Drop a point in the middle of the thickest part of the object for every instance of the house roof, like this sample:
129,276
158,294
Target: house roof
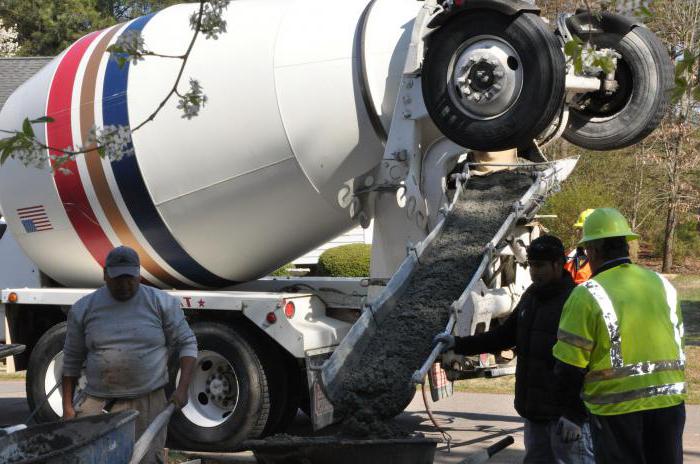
15,71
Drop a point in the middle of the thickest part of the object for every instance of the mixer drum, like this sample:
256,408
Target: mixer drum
243,188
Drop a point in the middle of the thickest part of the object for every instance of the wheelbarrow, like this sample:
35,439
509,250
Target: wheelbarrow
99,439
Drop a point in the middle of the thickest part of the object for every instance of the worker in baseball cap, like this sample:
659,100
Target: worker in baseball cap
576,260
122,335
532,330
620,348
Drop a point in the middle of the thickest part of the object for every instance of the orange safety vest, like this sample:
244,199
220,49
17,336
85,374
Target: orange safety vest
578,266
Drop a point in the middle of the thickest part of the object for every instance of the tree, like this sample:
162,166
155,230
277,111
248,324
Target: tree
8,41
123,10
46,27
675,148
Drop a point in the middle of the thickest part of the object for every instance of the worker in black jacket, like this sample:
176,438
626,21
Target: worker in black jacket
555,431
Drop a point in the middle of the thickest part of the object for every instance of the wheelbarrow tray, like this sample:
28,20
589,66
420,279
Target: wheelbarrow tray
100,439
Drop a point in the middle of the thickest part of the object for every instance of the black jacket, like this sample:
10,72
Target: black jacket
532,330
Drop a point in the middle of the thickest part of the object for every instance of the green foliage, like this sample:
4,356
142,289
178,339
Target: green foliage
583,55
45,27
595,183
123,10
687,240
283,271
345,261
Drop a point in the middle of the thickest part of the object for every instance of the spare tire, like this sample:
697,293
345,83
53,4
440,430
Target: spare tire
625,117
491,81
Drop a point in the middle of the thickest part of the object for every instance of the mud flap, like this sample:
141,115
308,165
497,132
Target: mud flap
321,410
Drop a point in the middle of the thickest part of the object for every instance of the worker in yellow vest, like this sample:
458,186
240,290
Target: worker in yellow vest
576,260
620,347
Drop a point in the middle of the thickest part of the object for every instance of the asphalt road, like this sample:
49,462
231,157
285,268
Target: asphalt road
473,420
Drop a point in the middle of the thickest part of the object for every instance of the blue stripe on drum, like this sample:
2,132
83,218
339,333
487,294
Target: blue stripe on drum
132,186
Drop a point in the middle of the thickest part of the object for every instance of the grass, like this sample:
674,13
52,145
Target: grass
14,376
688,287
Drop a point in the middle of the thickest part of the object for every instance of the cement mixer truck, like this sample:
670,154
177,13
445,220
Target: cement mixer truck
321,116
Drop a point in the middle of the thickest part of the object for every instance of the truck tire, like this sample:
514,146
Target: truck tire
521,76
283,381
645,78
229,396
45,369
295,387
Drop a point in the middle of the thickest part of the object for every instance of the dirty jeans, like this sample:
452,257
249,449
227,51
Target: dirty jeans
148,406
544,445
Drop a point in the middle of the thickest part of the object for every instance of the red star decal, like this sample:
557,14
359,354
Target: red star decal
201,302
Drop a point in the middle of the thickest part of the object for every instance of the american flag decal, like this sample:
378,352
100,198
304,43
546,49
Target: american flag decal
34,218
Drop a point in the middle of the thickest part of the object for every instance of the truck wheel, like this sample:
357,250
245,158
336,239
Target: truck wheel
296,385
283,381
493,82
229,396
45,370
623,118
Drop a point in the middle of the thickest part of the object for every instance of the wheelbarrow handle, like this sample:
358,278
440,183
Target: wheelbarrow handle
142,445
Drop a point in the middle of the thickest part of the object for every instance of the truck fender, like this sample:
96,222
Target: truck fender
506,7
583,23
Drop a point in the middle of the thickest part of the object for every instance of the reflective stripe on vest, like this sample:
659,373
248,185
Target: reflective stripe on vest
632,370
575,340
672,301
659,390
610,317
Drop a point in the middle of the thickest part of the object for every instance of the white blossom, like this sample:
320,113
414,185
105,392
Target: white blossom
130,46
32,154
8,40
114,140
193,101
213,23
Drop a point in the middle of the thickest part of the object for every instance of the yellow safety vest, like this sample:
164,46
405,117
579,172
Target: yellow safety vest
625,326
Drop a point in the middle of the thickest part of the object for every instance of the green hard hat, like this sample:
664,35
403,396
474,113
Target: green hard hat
606,223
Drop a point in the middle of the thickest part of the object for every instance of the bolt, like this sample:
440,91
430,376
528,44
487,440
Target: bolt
487,95
406,115
409,83
498,73
476,96
406,99
496,87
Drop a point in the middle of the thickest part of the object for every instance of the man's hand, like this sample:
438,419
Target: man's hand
68,412
67,390
568,430
179,397
446,339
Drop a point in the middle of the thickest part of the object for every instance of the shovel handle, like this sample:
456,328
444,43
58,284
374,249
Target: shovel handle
142,445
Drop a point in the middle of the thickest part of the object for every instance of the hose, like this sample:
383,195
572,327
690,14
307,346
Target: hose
445,436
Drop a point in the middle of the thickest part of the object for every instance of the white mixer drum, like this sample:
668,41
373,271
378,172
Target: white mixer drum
246,186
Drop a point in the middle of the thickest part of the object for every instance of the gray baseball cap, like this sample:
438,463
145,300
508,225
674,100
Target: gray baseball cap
123,260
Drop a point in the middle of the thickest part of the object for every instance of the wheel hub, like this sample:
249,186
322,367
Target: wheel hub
486,77
213,392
